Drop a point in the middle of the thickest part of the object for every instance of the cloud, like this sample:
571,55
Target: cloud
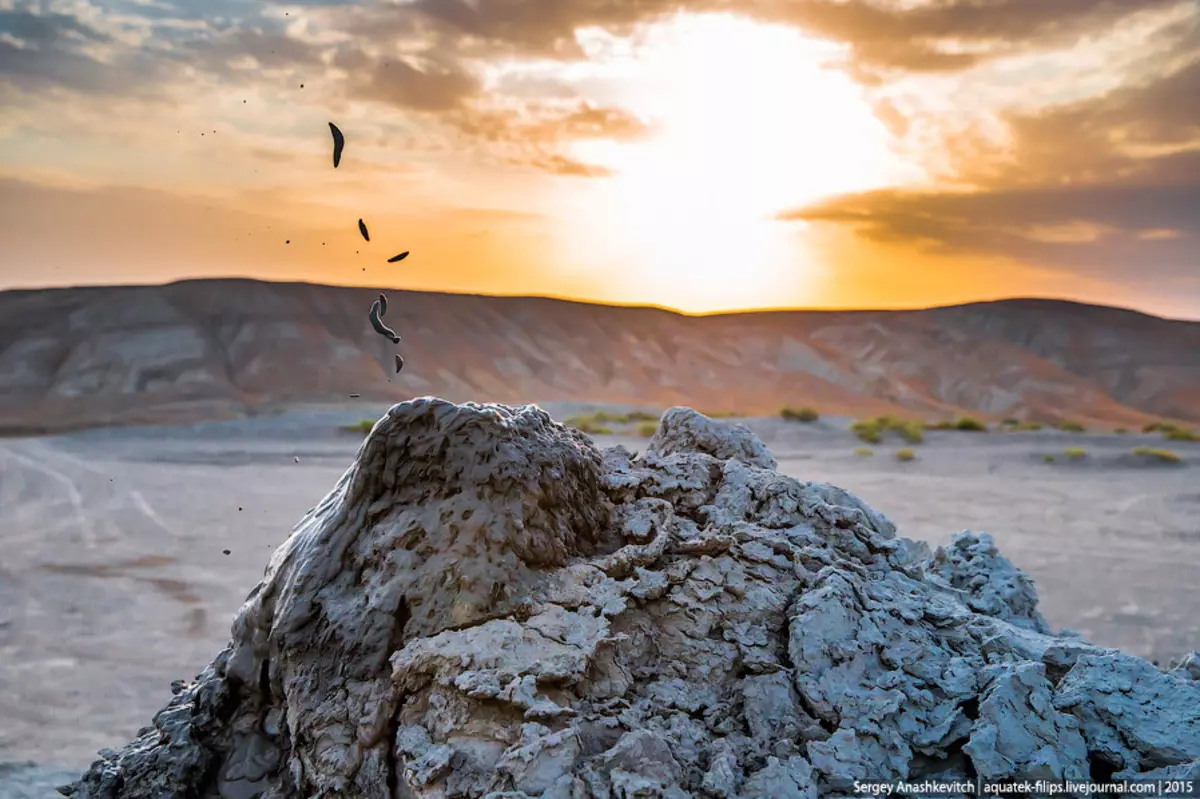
1096,186
42,50
955,35
398,83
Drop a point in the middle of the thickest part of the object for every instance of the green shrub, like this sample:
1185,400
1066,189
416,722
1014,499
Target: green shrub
641,416
1048,458
1075,453
799,414
1179,434
364,427
1026,427
869,430
589,424
1010,421
970,424
1120,431
1164,455
864,452
647,429
1155,427
1069,426
905,455
722,414
872,430
912,432
940,426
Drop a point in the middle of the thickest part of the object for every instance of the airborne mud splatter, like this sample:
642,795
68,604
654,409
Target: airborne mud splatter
396,258
380,327
339,143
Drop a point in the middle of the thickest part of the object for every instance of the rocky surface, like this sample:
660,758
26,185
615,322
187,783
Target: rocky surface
208,349
487,605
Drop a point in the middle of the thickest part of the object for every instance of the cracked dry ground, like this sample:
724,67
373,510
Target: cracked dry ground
487,605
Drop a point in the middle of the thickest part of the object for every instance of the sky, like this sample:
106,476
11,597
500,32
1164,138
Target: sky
702,155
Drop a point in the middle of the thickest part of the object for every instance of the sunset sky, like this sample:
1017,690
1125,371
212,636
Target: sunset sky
701,155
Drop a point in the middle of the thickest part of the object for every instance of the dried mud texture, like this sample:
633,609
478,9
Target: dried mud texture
488,606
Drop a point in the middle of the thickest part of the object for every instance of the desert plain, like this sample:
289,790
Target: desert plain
126,551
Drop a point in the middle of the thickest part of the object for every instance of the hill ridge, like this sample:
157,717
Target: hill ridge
207,348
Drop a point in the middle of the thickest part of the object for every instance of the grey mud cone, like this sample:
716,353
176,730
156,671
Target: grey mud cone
488,606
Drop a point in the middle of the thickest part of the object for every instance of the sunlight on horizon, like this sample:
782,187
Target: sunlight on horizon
746,123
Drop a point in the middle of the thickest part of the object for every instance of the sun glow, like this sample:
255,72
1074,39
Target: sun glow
746,121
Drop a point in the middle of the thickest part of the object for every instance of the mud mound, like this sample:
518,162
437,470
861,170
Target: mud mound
487,605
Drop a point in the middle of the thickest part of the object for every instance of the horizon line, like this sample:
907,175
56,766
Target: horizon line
600,304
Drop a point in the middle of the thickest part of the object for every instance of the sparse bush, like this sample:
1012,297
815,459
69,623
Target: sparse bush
1075,453
1048,458
864,452
970,424
1155,427
647,429
912,432
1010,421
722,414
641,416
364,426
1069,426
872,430
799,414
1164,455
905,455
940,426
589,424
1174,433
1120,431
1031,427
869,430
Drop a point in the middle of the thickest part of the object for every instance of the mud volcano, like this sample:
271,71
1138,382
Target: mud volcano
488,605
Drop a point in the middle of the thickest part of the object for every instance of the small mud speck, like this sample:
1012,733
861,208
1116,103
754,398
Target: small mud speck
397,258
225,551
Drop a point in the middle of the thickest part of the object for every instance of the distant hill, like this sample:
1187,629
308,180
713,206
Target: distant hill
206,349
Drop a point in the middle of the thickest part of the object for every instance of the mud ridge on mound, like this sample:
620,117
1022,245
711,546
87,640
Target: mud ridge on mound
488,605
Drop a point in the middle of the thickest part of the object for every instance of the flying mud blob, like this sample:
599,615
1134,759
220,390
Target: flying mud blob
362,228
379,326
396,258
382,304
399,363
339,142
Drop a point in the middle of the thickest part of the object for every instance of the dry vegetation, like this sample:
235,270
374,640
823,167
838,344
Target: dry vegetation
599,423
905,455
967,424
799,414
1164,455
872,430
